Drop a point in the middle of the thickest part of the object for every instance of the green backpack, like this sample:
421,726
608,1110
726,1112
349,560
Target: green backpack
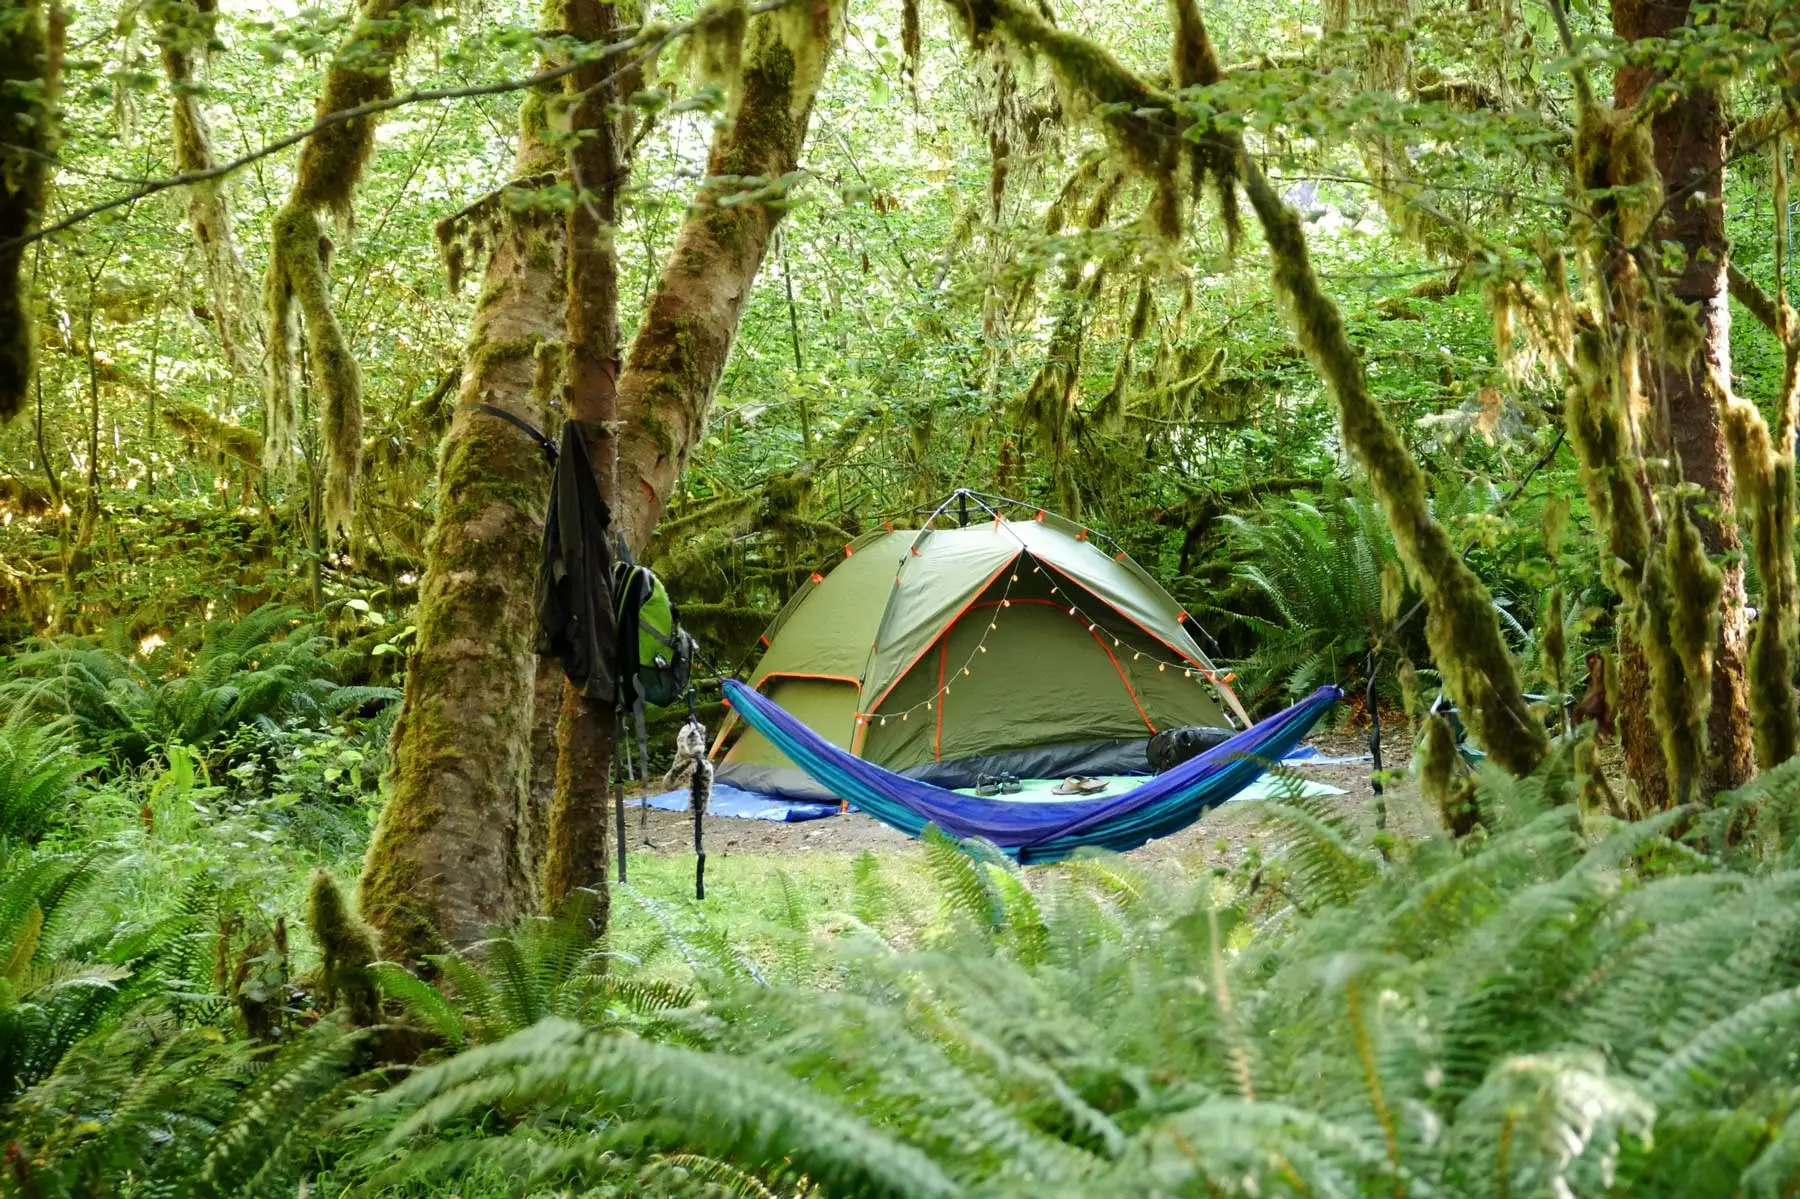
655,652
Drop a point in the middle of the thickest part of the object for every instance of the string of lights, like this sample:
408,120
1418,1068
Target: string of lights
1062,596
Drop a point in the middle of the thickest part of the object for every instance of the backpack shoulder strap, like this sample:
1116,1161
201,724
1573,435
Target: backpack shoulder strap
544,443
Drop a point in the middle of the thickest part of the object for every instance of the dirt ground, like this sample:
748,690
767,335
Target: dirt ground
1219,839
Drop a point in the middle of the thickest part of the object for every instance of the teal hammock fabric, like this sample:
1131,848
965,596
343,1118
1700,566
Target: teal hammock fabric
1031,831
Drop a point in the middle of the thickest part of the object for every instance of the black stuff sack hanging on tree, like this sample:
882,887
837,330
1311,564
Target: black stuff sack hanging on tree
576,621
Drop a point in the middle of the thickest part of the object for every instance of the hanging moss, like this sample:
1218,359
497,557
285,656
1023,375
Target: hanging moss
1460,624
1212,155
1553,642
299,256
1136,117
1677,624
346,951
1597,416
298,283
332,161
1765,481
1443,779
715,50
31,42
185,29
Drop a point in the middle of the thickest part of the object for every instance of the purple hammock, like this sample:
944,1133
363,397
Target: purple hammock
1039,831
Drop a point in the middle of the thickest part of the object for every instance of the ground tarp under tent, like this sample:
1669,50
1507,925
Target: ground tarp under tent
1019,642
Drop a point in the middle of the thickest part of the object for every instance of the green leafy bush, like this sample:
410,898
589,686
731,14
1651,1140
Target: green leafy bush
271,668
38,769
1318,566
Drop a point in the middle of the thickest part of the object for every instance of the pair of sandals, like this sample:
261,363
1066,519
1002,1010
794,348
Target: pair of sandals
1079,784
998,784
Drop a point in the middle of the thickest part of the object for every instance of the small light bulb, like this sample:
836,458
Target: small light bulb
1015,578
928,705
1090,628
903,716
1161,666
992,626
1135,657
946,688
983,648
1006,603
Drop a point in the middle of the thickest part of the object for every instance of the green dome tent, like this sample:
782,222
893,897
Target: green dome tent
1006,645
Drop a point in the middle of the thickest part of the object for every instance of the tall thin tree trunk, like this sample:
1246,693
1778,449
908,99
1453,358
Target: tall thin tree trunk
576,851
1689,136
681,347
31,52
453,854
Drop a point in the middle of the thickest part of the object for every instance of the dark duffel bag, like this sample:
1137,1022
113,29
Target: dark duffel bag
1171,747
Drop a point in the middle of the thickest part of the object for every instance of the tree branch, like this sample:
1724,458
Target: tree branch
656,36
1759,303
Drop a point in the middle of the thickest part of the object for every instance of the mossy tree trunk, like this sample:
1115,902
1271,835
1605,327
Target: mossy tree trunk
1688,135
454,852
31,46
1763,462
600,129
297,288
680,349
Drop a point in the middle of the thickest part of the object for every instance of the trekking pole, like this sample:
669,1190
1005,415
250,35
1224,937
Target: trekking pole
619,745
699,809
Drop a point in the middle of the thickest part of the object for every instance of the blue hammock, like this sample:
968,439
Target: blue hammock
1039,832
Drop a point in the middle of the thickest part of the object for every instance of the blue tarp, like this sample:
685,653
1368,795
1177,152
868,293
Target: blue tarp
745,805
1309,755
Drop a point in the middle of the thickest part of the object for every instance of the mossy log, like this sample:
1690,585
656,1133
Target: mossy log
226,440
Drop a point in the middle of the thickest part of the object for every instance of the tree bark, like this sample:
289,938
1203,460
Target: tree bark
681,348
546,710
1689,136
454,851
576,850
31,50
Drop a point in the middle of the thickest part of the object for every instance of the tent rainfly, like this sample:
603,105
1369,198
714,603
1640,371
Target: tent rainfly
1016,646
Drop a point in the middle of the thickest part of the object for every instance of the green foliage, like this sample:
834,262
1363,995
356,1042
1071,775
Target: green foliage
1549,1001
269,667
1318,566
38,769
1550,1005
